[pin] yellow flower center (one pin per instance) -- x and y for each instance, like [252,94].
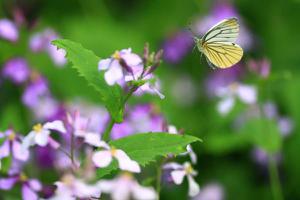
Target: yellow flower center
[116,55]
[127,175]
[38,128]
[233,86]
[189,169]
[113,151]
[11,136]
[23,177]
[67,179]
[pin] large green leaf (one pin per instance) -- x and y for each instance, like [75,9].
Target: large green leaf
[145,147]
[86,63]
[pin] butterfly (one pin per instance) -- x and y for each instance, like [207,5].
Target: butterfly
[218,44]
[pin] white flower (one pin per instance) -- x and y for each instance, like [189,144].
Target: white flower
[71,188]
[104,157]
[114,70]
[228,94]
[40,135]
[178,174]
[125,187]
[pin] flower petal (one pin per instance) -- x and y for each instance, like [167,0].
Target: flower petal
[94,139]
[173,165]
[35,184]
[28,193]
[41,138]
[28,140]
[143,193]
[113,74]
[106,186]
[192,154]
[104,64]
[177,176]
[102,158]
[194,188]
[56,125]
[225,105]
[125,163]
[7,183]
[18,152]
[247,94]
[4,149]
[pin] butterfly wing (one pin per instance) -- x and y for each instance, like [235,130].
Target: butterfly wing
[223,55]
[218,44]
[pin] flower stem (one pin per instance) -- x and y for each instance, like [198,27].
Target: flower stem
[274,178]
[108,129]
[72,148]
[106,134]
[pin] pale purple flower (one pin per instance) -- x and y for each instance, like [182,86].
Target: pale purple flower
[223,10]
[260,67]
[222,78]
[40,135]
[17,70]
[212,191]
[121,130]
[30,187]
[37,89]
[42,42]
[144,118]
[12,146]
[125,187]
[177,46]
[261,157]
[8,30]
[118,65]
[181,171]
[285,124]
[87,116]
[228,95]
[102,158]
[71,188]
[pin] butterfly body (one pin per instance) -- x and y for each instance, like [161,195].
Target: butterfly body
[218,44]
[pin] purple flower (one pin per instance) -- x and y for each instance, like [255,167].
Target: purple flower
[260,67]
[45,157]
[8,30]
[223,10]
[12,146]
[177,46]
[261,157]
[34,91]
[228,95]
[30,187]
[122,130]
[211,191]
[180,171]
[17,70]
[42,42]
[125,187]
[70,188]
[222,78]
[116,66]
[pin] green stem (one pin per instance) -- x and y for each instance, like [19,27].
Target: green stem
[158,181]
[106,134]
[108,129]
[274,178]
[72,148]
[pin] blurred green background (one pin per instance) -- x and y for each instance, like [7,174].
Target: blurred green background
[108,25]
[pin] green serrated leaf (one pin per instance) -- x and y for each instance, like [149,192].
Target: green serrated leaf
[86,63]
[145,147]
